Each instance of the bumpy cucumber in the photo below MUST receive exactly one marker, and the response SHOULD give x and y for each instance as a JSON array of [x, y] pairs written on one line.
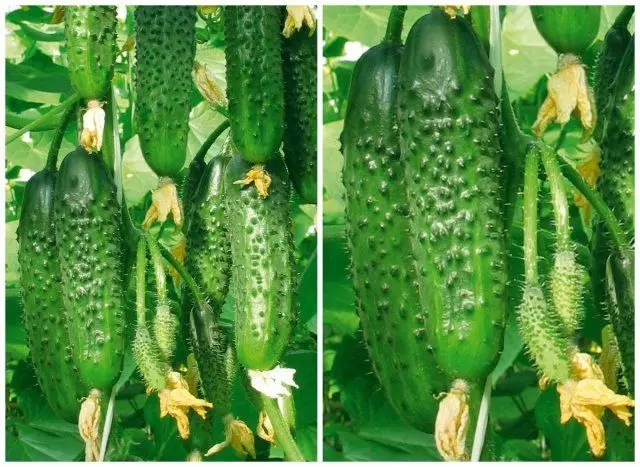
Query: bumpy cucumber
[[42, 299], [165, 49], [254, 80], [208, 249], [567, 29], [300, 109], [88, 235], [449, 124], [90, 34], [263, 268], [382, 267]]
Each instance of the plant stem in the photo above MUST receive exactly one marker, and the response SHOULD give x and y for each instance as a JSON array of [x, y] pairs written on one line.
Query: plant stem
[[188, 279], [54, 149], [623, 18], [495, 47], [106, 430], [71, 100], [481, 425], [530, 216], [618, 236], [158, 267], [558, 199], [141, 269], [394, 24], [17, 121], [211, 139], [281, 429]]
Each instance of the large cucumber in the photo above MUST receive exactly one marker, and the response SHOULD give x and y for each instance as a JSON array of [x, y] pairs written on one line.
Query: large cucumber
[[254, 80], [43, 307], [449, 125], [263, 268], [89, 238], [165, 50], [382, 268]]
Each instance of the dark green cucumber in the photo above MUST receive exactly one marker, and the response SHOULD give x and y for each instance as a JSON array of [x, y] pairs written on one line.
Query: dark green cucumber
[[300, 109], [89, 238], [382, 266], [208, 250], [90, 34], [449, 134], [263, 268], [43, 306], [254, 80], [165, 50], [567, 29]]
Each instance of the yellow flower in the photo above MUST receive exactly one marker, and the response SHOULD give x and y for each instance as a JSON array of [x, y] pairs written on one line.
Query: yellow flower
[[265, 428], [89, 425], [259, 177], [176, 401], [585, 397], [452, 423], [569, 93], [296, 17], [92, 126], [238, 436], [164, 201], [452, 10], [589, 168]]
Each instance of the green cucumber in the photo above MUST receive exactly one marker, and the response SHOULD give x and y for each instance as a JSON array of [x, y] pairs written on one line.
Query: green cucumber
[[300, 108], [43, 306], [90, 34], [89, 237], [165, 50], [449, 134], [263, 271], [254, 80], [382, 269], [567, 29]]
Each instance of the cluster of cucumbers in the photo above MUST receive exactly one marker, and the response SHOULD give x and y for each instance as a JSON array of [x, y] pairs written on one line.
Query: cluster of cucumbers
[[433, 162]]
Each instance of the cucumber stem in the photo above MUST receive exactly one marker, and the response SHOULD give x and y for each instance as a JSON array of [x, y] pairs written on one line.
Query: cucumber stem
[[481, 425], [618, 236], [54, 149], [106, 430], [211, 139], [530, 217], [623, 18], [495, 48], [141, 269], [558, 199], [188, 279], [281, 429], [71, 100], [158, 267], [394, 24]]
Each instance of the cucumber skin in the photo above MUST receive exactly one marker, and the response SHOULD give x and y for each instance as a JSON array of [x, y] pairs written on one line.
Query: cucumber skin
[[90, 35], [382, 269], [89, 236], [301, 108], [263, 271], [208, 246], [449, 134], [165, 50], [41, 288], [567, 29], [254, 80]]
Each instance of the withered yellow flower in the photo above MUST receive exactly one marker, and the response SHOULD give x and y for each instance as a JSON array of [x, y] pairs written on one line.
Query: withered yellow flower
[[265, 428], [452, 10], [589, 168], [297, 16], [259, 177], [208, 87], [92, 126], [179, 252], [238, 436], [176, 401], [452, 423], [164, 201], [89, 425]]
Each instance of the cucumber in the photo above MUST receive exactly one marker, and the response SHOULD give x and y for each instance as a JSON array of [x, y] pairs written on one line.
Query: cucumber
[[165, 50], [90, 35], [449, 135], [254, 80], [41, 289], [263, 271], [300, 108], [89, 238], [567, 29], [208, 250], [382, 269]]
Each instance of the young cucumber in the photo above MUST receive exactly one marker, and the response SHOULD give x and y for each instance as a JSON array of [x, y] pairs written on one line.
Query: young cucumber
[[40, 282], [567, 29], [165, 49], [263, 264], [300, 105], [449, 124], [88, 235], [90, 35], [254, 80]]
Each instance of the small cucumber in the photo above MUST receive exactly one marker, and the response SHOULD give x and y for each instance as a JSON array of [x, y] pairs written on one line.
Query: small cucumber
[[567, 29]]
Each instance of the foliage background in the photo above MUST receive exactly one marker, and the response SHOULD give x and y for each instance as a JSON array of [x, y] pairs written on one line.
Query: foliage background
[[36, 80], [359, 423]]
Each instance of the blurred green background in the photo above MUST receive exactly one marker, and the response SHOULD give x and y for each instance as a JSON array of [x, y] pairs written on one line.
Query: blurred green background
[[37, 80], [359, 423]]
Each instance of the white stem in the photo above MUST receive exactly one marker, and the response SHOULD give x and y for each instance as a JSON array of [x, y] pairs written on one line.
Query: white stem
[[107, 425], [495, 47], [481, 425]]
